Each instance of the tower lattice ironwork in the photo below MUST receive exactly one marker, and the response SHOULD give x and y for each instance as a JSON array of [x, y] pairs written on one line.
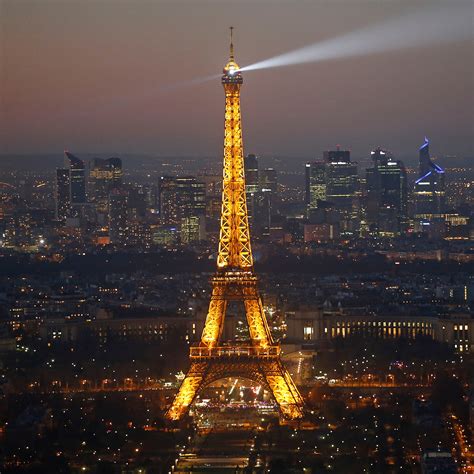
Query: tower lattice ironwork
[[259, 359]]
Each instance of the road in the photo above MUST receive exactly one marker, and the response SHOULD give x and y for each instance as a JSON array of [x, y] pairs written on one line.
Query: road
[[220, 450], [462, 449]]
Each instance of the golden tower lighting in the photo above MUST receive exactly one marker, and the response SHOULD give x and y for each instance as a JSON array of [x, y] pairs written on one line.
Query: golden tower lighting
[[259, 359]]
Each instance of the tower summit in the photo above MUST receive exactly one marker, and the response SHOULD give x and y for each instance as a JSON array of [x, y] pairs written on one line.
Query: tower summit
[[232, 69], [257, 359]]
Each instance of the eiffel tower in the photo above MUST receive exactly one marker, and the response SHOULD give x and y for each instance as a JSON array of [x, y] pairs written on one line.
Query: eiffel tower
[[258, 360]]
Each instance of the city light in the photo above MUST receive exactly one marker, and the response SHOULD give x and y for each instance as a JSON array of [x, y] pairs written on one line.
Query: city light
[[294, 306]]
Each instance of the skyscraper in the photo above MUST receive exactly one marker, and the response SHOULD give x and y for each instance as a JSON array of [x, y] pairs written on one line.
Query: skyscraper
[[192, 229], [315, 184], [137, 201], [266, 203], [118, 216], [181, 197], [63, 196], [77, 176], [70, 187], [268, 179], [252, 186], [251, 173], [341, 179], [425, 163], [429, 188], [104, 176], [337, 156], [262, 207], [386, 206], [261, 194]]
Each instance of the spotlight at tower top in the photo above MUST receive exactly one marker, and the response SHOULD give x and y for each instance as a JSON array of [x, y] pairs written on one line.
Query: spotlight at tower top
[[437, 25], [231, 69]]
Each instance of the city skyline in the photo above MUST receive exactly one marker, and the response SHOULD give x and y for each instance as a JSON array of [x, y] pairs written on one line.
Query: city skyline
[[232, 310], [117, 79]]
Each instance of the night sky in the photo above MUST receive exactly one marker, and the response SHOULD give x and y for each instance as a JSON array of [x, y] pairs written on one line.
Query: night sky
[[110, 77]]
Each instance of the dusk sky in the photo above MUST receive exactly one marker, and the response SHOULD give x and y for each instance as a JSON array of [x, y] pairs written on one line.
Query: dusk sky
[[109, 77]]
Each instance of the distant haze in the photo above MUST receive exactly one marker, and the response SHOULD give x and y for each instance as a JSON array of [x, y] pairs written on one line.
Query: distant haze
[[142, 77]]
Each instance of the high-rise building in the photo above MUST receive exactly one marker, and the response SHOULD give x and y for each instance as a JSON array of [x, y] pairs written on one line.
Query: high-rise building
[[137, 233], [63, 196], [181, 197], [252, 185], [165, 235], [265, 201], [262, 208], [386, 206], [104, 176], [213, 182], [429, 191], [137, 201], [70, 187], [342, 188], [118, 216], [268, 178], [261, 192], [315, 184], [341, 179], [337, 156], [424, 159], [193, 229], [77, 176], [251, 174]]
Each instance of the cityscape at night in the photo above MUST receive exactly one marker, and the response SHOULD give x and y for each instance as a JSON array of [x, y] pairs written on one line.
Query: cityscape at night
[[236, 249]]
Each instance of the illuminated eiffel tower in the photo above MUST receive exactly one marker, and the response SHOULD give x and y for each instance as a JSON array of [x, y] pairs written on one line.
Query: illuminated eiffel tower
[[259, 359]]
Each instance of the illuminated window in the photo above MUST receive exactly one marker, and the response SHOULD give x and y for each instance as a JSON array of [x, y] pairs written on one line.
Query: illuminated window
[[308, 333]]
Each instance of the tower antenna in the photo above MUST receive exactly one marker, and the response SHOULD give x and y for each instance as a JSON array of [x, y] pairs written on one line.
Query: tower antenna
[[231, 43]]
